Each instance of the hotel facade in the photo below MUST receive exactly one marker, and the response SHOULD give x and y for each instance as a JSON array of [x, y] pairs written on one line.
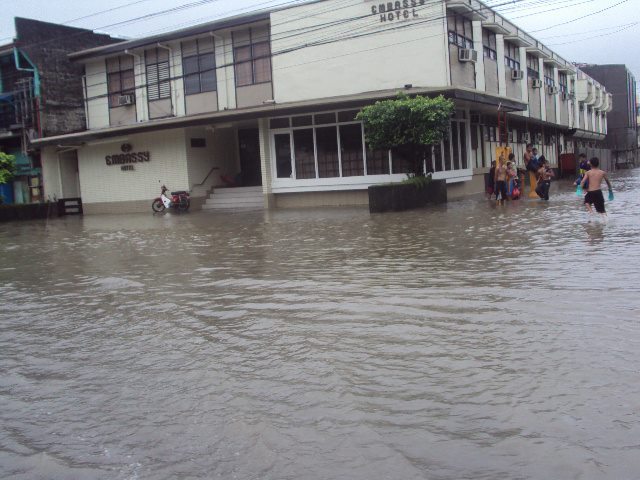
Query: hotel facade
[[265, 103]]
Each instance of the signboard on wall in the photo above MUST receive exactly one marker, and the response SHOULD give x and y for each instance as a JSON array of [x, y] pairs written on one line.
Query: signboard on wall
[[127, 159], [398, 10]]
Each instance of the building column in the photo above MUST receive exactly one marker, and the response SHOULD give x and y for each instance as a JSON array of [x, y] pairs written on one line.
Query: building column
[[557, 97], [524, 83], [502, 81], [576, 104], [543, 91], [478, 47], [265, 161]]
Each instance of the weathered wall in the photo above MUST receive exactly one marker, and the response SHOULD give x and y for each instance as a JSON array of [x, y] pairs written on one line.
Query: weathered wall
[[47, 45]]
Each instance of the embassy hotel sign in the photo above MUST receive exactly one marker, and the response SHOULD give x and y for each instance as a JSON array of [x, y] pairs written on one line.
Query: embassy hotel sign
[[397, 10], [127, 158]]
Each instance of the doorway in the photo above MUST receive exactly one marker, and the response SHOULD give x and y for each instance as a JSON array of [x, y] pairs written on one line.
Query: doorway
[[249, 148]]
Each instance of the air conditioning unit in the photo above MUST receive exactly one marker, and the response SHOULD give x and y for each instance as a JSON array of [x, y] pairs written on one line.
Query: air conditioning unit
[[467, 55], [552, 90], [565, 96], [125, 100], [517, 74], [536, 83], [526, 137], [538, 138]]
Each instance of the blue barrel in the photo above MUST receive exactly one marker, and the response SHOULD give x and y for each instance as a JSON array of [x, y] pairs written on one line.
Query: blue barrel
[[6, 192]]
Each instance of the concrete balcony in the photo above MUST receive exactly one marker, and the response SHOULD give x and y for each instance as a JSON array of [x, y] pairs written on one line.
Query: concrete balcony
[[585, 91], [469, 8], [599, 100], [608, 102]]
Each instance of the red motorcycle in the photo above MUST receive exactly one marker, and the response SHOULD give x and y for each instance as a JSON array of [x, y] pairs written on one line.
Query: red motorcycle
[[178, 200]]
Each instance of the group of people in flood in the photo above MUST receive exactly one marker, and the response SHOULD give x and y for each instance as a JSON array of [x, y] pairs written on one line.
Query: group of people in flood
[[505, 180]]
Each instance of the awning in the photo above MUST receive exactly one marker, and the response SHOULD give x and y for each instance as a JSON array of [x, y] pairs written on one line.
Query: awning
[[585, 134]]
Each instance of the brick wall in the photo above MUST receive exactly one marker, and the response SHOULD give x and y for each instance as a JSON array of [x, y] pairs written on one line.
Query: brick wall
[[47, 46]]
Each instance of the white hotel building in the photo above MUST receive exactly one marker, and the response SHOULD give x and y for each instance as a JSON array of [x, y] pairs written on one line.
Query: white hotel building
[[268, 99]]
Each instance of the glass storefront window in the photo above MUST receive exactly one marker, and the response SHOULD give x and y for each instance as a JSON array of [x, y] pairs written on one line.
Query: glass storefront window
[[304, 153], [283, 155], [327, 148], [351, 150]]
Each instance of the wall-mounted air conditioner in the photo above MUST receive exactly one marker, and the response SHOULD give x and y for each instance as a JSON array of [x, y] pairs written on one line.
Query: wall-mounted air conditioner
[[526, 137], [125, 100], [536, 83], [467, 55], [539, 138], [566, 96], [517, 74], [552, 90]]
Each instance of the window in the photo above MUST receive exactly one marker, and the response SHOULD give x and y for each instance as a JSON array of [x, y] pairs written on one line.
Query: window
[[199, 66], [460, 31], [351, 150], [511, 56], [120, 79], [158, 76], [562, 80], [533, 67], [252, 61], [489, 44], [548, 77], [327, 150]]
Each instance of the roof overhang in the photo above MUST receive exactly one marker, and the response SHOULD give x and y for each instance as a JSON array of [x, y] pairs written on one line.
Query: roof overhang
[[518, 40], [585, 134], [496, 27], [465, 8], [459, 95], [538, 52]]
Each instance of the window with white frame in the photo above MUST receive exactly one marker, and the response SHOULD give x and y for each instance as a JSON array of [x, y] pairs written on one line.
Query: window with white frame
[[332, 145], [158, 75], [120, 79], [199, 66]]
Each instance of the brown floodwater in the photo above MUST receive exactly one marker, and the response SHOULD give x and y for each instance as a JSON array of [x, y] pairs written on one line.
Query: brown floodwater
[[469, 341]]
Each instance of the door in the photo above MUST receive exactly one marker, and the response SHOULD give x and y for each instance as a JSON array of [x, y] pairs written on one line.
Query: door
[[249, 148], [69, 174]]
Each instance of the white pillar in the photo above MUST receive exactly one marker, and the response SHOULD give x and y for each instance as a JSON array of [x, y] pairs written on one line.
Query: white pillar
[[576, 105], [557, 97], [543, 91], [478, 47], [502, 83], [524, 84]]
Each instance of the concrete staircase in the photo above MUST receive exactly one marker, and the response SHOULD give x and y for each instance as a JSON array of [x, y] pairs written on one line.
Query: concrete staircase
[[235, 199]]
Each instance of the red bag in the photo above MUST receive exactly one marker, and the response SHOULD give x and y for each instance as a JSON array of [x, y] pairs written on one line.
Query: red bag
[[515, 193]]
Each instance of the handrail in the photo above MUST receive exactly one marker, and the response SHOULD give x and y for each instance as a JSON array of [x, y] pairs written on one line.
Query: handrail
[[205, 178]]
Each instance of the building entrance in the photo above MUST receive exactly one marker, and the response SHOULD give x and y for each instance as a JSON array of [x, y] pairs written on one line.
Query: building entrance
[[249, 148]]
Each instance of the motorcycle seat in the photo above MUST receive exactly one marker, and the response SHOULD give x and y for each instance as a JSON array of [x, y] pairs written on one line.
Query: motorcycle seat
[[181, 192]]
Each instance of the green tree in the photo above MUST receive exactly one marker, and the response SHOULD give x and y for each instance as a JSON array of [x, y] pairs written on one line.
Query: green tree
[[408, 125], [7, 167]]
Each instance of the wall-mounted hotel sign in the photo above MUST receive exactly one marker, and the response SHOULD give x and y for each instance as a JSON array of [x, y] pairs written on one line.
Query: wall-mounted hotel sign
[[127, 158], [396, 11]]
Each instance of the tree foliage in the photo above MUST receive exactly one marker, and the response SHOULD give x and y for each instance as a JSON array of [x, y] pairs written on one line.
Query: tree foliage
[[7, 167], [407, 124]]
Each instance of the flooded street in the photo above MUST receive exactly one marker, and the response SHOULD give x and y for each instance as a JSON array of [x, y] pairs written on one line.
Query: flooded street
[[469, 341]]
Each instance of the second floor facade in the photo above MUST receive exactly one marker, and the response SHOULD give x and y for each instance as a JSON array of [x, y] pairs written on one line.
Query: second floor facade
[[329, 49]]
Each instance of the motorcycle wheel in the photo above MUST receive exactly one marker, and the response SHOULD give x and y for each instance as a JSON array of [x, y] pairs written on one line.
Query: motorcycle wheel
[[184, 204], [157, 206]]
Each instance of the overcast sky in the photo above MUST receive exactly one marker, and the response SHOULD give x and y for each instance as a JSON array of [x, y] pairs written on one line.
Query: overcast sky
[[611, 36]]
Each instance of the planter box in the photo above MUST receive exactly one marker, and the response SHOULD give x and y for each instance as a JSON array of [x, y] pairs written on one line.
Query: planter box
[[397, 197]]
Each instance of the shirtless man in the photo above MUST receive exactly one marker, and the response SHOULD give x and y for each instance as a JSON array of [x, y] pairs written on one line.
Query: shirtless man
[[594, 179], [528, 155], [544, 179], [501, 180]]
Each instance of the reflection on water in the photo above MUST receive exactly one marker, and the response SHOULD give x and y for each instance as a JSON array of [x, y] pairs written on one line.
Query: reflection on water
[[465, 341]]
